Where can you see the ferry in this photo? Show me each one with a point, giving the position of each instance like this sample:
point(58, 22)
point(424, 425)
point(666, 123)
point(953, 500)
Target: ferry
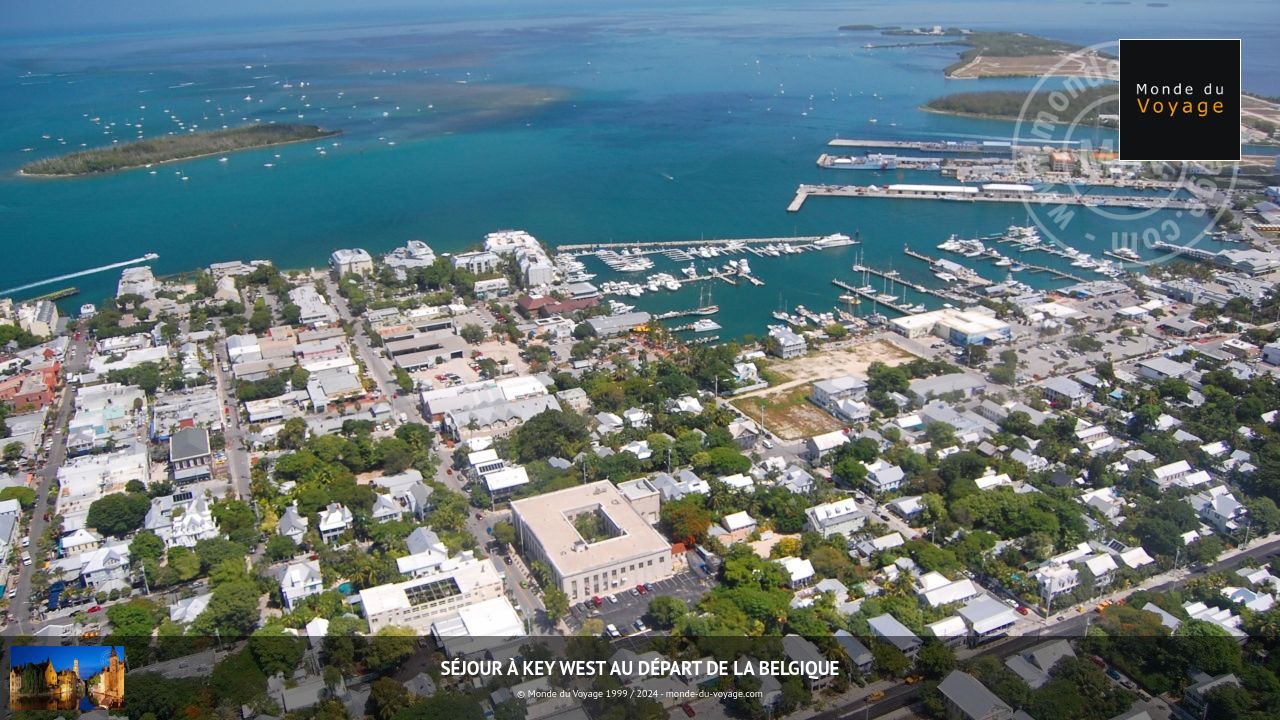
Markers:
point(834, 240)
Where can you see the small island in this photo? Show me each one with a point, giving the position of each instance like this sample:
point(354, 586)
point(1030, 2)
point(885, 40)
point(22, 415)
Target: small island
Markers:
point(1013, 54)
point(1008, 105)
point(170, 148)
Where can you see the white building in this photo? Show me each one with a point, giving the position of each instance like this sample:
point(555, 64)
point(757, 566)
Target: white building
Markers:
point(181, 520)
point(415, 254)
point(789, 345)
point(883, 477)
point(842, 517)
point(627, 553)
point(292, 524)
point(355, 261)
point(335, 519)
point(420, 602)
point(298, 581)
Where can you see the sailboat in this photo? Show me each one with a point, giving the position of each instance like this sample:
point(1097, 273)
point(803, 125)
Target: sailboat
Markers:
point(704, 308)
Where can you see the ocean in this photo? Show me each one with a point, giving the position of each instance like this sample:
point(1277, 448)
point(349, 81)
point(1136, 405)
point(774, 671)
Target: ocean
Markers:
point(580, 122)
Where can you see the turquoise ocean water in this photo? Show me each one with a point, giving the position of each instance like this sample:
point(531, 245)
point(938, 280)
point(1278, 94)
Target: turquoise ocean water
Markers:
point(580, 123)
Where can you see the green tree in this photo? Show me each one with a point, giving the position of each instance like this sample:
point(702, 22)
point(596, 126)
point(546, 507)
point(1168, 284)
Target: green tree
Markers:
point(280, 547)
point(25, 496)
point(665, 611)
point(472, 333)
point(118, 514)
point(936, 660)
point(504, 532)
point(556, 603)
point(146, 545)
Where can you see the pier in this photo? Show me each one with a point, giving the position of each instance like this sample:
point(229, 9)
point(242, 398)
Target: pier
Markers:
point(965, 146)
point(873, 297)
point(1032, 267)
point(890, 162)
point(968, 193)
point(647, 247)
point(948, 295)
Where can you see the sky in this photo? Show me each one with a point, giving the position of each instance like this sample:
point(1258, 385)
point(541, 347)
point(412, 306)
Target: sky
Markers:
point(52, 17)
point(92, 657)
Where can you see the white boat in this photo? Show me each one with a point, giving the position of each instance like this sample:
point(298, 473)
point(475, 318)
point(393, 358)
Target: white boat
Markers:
point(705, 325)
point(672, 285)
point(1004, 262)
point(945, 277)
point(834, 240)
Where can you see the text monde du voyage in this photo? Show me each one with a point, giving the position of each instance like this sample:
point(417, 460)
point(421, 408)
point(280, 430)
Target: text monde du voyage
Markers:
point(639, 668)
point(1180, 99)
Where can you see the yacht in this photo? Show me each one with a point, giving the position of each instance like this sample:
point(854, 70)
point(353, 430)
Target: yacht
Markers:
point(834, 240)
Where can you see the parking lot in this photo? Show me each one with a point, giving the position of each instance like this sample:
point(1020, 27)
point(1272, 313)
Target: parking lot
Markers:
point(631, 605)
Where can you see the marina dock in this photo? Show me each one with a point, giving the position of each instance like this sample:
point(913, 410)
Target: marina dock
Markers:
point(902, 308)
point(947, 295)
point(963, 146)
point(1031, 267)
point(658, 246)
point(967, 193)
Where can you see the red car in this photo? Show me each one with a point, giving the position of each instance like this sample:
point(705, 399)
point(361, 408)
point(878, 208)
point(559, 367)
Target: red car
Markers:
point(597, 601)
point(641, 589)
point(688, 710)
point(95, 608)
point(1022, 609)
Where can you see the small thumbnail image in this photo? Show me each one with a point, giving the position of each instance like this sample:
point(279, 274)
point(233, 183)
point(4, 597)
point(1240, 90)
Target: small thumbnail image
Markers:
point(66, 678)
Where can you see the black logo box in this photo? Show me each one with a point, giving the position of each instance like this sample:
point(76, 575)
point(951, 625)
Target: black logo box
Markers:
point(1180, 63)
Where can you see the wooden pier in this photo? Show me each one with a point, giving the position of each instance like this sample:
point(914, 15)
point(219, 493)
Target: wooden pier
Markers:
point(948, 295)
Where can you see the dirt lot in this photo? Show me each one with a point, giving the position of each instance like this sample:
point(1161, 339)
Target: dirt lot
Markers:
point(787, 410)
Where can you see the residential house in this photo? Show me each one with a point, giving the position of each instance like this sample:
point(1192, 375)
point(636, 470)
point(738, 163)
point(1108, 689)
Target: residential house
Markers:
point(859, 656)
point(828, 393)
point(883, 477)
point(1035, 664)
point(335, 519)
point(801, 650)
point(887, 628)
point(788, 344)
point(299, 581)
point(1219, 508)
point(965, 698)
point(292, 524)
point(842, 517)
point(819, 447)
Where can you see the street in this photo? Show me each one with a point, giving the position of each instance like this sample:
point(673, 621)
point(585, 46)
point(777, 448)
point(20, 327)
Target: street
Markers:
point(20, 606)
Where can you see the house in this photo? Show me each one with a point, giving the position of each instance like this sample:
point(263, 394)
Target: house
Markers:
point(859, 656)
point(181, 519)
point(867, 548)
point(883, 477)
point(1034, 665)
point(801, 650)
point(842, 517)
point(788, 344)
point(1195, 697)
point(685, 482)
point(190, 459)
point(1162, 368)
point(385, 509)
point(796, 480)
point(685, 404)
point(800, 573)
point(1271, 353)
point(1218, 508)
point(936, 590)
point(334, 520)
point(950, 631)
point(636, 417)
point(738, 525)
point(819, 446)
point(907, 507)
point(1063, 392)
point(887, 628)
point(828, 393)
point(962, 385)
point(299, 581)
point(745, 373)
point(987, 618)
point(185, 611)
point(106, 567)
point(292, 525)
point(607, 422)
point(967, 699)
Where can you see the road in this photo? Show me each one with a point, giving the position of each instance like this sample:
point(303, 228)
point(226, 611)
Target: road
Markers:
point(232, 432)
point(530, 605)
point(20, 605)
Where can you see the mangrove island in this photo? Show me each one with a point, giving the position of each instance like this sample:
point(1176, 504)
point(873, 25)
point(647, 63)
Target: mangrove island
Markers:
point(169, 148)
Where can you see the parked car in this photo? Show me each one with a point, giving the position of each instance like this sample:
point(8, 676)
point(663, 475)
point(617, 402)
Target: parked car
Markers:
point(95, 608)
point(688, 710)
point(612, 630)
point(613, 599)
point(598, 602)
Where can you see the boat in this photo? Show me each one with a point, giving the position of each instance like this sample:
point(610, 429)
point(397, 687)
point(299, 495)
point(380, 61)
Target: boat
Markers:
point(1004, 262)
point(1127, 254)
point(87, 310)
point(704, 325)
point(870, 161)
point(691, 271)
point(945, 277)
point(834, 240)
point(1017, 267)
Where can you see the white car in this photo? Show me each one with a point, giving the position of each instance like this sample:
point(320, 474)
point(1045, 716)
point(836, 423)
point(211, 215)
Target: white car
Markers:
point(613, 630)
point(26, 542)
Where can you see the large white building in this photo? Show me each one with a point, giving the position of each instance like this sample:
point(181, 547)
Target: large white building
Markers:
point(960, 327)
point(420, 602)
point(629, 553)
point(355, 260)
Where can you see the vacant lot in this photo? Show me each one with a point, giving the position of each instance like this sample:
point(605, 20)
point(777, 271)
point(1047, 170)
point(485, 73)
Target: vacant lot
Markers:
point(1073, 64)
point(787, 410)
